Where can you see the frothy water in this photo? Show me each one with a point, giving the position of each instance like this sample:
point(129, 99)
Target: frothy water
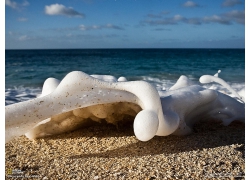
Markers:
point(19, 94)
point(26, 70)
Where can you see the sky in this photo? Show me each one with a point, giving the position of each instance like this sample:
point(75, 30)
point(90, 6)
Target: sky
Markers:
point(61, 24)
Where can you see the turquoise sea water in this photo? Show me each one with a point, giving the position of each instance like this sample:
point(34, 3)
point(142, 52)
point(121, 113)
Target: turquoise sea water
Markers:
point(26, 70)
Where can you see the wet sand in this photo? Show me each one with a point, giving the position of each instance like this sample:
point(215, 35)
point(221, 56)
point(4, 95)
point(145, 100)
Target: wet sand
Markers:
point(105, 152)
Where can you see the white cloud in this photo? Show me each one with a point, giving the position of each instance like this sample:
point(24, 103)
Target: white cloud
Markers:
point(85, 28)
point(230, 3)
point(59, 9)
point(15, 5)
point(172, 21)
point(177, 17)
point(216, 19)
point(160, 15)
point(162, 29)
point(11, 4)
point(25, 3)
point(235, 15)
point(23, 38)
point(190, 4)
point(228, 18)
point(22, 19)
point(82, 27)
point(111, 26)
point(154, 16)
point(96, 27)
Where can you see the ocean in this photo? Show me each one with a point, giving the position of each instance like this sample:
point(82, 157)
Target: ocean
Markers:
point(26, 70)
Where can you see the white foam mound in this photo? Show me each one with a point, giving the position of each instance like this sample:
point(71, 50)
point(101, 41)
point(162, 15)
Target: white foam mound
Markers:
point(66, 105)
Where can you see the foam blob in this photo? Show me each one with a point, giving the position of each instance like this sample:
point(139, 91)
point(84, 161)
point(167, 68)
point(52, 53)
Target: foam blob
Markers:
point(80, 98)
point(217, 74)
point(146, 121)
point(49, 85)
point(242, 93)
point(208, 79)
point(183, 81)
point(122, 79)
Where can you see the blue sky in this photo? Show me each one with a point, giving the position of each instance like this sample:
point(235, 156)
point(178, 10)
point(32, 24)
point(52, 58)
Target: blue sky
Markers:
point(124, 24)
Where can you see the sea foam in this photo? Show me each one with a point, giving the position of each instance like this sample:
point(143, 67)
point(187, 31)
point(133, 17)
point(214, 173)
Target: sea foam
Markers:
point(64, 105)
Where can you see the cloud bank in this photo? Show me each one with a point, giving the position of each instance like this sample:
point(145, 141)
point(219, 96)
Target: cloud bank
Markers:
point(99, 27)
point(15, 5)
point(231, 3)
point(59, 9)
point(228, 18)
point(190, 4)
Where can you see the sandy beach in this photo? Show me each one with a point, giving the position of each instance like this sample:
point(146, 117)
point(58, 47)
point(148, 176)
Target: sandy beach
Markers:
point(105, 152)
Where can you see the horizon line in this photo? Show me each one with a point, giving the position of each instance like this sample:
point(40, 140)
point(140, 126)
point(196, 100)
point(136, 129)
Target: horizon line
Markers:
point(112, 48)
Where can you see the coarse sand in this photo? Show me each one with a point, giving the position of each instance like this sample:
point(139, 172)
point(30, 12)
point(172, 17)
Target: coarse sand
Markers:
point(212, 151)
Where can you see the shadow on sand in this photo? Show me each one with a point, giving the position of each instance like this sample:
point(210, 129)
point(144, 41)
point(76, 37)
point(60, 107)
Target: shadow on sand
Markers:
point(205, 135)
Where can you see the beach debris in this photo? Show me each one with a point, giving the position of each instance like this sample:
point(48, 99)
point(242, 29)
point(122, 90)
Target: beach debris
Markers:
point(79, 98)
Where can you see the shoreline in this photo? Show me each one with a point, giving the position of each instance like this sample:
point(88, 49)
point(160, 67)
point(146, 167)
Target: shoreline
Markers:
point(105, 152)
